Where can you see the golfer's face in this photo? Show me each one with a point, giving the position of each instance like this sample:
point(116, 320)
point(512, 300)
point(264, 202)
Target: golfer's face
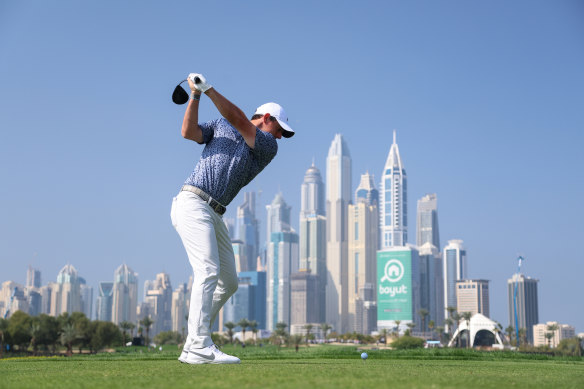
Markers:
point(275, 129)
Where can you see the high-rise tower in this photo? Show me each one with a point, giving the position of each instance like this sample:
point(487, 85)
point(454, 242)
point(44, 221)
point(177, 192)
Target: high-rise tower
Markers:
point(313, 240)
point(124, 295)
point(248, 229)
point(312, 193)
point(394, 205)
point(527, 303)
point(278, 216)
point(66, 293)
point(427, 221)
point(362, 245)
point(454, 269)
point(338, 197)
point(33, 278)
point(103, 311)
point(282, 258)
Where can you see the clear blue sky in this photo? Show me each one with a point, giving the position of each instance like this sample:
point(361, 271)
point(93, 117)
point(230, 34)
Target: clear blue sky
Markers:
point(486, 97)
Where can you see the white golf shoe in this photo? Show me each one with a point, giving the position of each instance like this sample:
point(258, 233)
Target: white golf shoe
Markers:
point(210, 354)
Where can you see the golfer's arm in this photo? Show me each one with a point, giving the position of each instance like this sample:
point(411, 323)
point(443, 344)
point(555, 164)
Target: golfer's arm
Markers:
point(234, 115)
point(190, 127)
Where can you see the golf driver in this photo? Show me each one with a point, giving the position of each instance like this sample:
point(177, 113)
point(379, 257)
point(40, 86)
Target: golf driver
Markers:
point(180, 96)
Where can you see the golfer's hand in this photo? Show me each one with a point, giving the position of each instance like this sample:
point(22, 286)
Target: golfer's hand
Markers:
point(201, 85)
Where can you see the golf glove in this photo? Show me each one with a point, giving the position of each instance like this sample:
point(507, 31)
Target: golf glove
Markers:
point(201, 86)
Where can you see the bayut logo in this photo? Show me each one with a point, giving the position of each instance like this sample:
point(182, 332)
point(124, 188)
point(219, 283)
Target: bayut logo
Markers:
point(393, 272)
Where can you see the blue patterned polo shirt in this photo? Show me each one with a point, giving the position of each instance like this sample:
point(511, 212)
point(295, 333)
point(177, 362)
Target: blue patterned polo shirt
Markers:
point(227, 163)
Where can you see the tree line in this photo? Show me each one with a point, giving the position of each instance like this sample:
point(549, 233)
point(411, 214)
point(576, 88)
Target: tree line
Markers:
point(44, 334)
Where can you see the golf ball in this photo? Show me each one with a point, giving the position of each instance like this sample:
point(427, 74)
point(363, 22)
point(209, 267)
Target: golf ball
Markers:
point(364, 356)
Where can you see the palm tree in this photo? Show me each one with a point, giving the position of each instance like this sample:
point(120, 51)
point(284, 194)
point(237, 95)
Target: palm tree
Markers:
point(423, 314)
point(440, 331)
point(324, 327)
point(68, 336)
point(281, 330)
point(522, 336)
point(296, 340)
point(125, 326)
point(397, 323)
point(466, 316)
point(253, 326)
point(35, 330)
point(431, 326)
point(230, 326)
point(549, 336)
point(147, 323)
point(308, 328)
point(448, 322)
point(243, 323)
point(509, 332)
point(411, 327)
point(552, 328)
point(451, 315)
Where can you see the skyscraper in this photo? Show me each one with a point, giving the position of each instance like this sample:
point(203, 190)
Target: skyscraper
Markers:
point(473, 296)
point(313, 239)
point(527, 303)
point(454, 269)
point(338, 197)
point(427, 221)
point(248, 228)
point(159, 303)
point(103, 310)
point(282, 263)
point(303, 294)
point(33, 278)
point(66, 293)
point(278, 219)
point(125, 295)
point(394, 201)
point(12, 299)
point(363, 232)
point(431, 284)
point(249, 301)
point(180, 309)
point(86, 292)
point(312, 194)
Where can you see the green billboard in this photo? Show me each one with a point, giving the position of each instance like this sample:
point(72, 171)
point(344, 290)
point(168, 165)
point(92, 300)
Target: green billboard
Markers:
point(394, 291)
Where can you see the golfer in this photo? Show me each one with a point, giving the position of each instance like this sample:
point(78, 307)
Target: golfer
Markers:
point(236, 150)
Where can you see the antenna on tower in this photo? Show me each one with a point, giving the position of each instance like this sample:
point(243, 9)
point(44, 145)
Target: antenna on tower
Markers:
point(394, 133)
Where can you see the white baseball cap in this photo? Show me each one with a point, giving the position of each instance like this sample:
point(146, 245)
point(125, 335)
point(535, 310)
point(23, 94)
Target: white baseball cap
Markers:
point(278, 112)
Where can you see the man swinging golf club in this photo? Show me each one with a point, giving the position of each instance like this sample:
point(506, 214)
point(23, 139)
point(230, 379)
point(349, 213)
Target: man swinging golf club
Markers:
point(236, 150)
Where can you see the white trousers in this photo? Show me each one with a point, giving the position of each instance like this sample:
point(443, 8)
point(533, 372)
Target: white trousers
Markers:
point(208, 246)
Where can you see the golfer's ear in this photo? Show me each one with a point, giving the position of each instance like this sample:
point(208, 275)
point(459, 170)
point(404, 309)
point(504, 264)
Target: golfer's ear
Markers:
point(266, 118)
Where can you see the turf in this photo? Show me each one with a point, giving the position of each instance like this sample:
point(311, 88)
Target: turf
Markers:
point(318, 367)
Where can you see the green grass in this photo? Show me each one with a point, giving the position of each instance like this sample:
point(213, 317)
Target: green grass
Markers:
point(316, 367)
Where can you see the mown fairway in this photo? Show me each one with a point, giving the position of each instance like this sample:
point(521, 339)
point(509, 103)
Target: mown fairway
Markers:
point(316, 367)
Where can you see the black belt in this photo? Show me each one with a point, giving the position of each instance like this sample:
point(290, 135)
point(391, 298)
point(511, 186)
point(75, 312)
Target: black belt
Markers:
point(216, 205)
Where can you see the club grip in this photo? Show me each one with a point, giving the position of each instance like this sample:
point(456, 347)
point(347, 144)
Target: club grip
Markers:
point(197, 80)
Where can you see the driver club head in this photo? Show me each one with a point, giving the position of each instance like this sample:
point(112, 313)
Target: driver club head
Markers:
point(180, 96)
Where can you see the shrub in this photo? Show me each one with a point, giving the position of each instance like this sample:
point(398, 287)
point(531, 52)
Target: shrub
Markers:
point(569, 347)
point(168, 337)
point(407, 342)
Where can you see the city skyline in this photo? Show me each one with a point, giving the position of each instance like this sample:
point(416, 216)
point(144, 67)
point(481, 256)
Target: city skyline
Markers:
point(479, 111)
